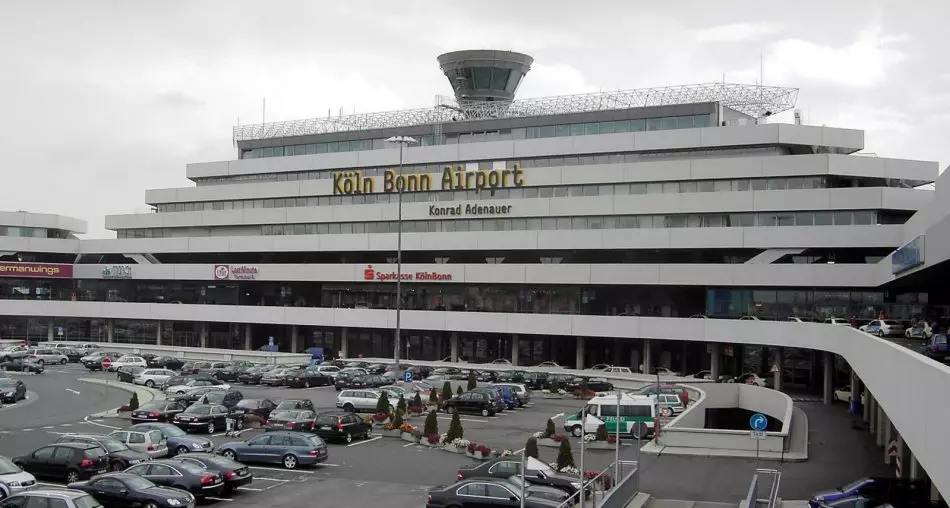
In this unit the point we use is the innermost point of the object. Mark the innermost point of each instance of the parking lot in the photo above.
(389, 471)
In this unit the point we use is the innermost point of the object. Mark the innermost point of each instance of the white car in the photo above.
(617, 370)
(47, 356)
(883, 327)
(749, 318)
(663, 371)
(128, 361)
(13, 480)
(549, 365)
(921, 330)
(356, 400)
(194, 383)
(500, 361)
(837, 321)
(843, 394)
(329, 370)
(149, 442)
(153, 377)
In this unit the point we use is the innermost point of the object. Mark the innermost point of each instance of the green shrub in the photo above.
(472, 381)
(455, 428)
(134, 402)
(565, 458)
(459, 391)
(397, 420)
(432, 424)
(433, 396)
(382, 405)
(446, 391)
(417, 400)
(549, 429)
(401, 405)
(531, 447)
(601, 433)
(583, 385)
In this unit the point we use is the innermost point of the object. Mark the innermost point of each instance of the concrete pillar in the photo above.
(882, 423)
(158, 333)
(888, 435)
(616, 353)
(715, 357)
(777, 356)
(828, 392)
(514, 350)
(110, 331)
(872, 414)
(647, 359)
(914, 471)
(294, 338)
(50, 331)
(248, 339)
(904, 454)
(203, 334)
(684, 363)
(579, 361)
(634, 359)
(454, 346)
(344, 344)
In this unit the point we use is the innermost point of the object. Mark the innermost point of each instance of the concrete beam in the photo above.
(828, 389)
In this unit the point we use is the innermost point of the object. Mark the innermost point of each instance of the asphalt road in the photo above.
(392, 472)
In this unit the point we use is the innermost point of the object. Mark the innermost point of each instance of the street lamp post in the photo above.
(400, 184)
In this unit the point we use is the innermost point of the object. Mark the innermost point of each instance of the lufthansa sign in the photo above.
(482, 180)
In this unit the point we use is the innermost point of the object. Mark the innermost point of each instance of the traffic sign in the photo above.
(758, 422)
(106, 363)
(407, 376)
(756, 434)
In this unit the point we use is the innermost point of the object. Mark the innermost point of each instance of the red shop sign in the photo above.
(36, 270)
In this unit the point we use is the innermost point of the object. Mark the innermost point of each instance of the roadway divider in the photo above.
(145, 393)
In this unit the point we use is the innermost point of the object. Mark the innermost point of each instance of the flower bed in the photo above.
(556, 394)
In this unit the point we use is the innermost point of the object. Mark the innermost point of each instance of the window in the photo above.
(499, 492)
(136, 438)
(44, 453)
(160, 470)
(505, 469)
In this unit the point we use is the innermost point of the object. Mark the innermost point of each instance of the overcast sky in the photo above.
(104, 99)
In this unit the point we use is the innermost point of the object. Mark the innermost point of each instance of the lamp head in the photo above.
(406, 140)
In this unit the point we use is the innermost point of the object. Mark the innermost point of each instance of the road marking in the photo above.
(72, 391)
(66, 425)
(86, 419)
(555, 417)
(27, 430)
(250, 489)
(408, 445)
(218, 498)
(463, 419)
(48, 427)
(270, 479)
(60, 433)
(283, 470)
(364, 442)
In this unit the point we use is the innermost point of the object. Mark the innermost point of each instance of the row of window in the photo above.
(538, 162)
(27, 232)
(620, 189)
(545, 131)
(641, 125)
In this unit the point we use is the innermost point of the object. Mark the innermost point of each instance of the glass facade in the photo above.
(28, 232)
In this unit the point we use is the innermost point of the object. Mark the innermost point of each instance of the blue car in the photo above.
(179, 441)
(289, 449)
(849, 490)
(869, 492)
(938, 349)
(508, 395)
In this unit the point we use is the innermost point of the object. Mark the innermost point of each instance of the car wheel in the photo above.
(637, 432)
(39, 362)
(229, 454)
(116, 466)
(150, 505)
(72, 476)
(63, 361)
(181, 392)
(289, 461)
(880, 333)
(349, 408)
(181, 450)
(210, 427)
(306, 384)
(239, 424)
(348, 438)
(486, 412)
(576, 431)
(150, 383)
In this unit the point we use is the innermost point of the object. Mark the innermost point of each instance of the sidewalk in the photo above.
(145, 394)
(652, 448)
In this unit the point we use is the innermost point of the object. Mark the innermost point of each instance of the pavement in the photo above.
(394, 473)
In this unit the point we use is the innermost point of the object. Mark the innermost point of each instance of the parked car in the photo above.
(520, 391)
(189, 383)
(665, 388)
(119, 454)
(157, 411)
(843, 394)
(288, 404)
(879, 489)
(230, 373)
(69, 462)
(74, 355)
(341, 426)
(261, 408)
(122, 490)
(149, 442)
(226, 398)
(275, 377)
(345, 376)
(536, 472)
(93, 361)
(883, 327)
(354, 401)
(369, 381)
(293, 419)
(12, 353)
(206, 417)
(47, 356)
(165, 362)
(305, 378)
(194, 367)
(750, 378)
(290, 449)
(13, 480)
(252, 375)
(482, 403)
(497, 397)
(482, 492)
(177, 474)
(234, 473)
(194, 394)
(128, 361)
(64, 498)
(938, 349)
(127, 374)
(920, 330)
(153, 377)
(11, 390)
(22, 365)
(178, 440)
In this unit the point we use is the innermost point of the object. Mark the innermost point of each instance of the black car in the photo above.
(261, 408)
(306, 378)
(12, 390)
(94, 361)
(192, 395)
(376, 368)
(177, 474)
(127, 374)
(341, 426)
(21, 365)
(207, 417)
(292, 419)
(119, 454)
(471, 402)
(226, 398)
(120, 490)
(230, 374)
(234, 473)
(74, 355)
(158, 411)
(538, 473)
(370, 381)
(483, 492)
(165, 362)
(289, 404)
(69, 462)
(497, 397)
(344, 377)
(595, 384)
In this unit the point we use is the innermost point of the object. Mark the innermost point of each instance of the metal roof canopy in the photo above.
(753, 100)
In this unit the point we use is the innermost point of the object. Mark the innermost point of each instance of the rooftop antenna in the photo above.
(263, 114)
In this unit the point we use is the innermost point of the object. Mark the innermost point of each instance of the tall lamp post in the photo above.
(402, 141)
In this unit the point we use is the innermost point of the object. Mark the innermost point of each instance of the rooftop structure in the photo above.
(485, 75)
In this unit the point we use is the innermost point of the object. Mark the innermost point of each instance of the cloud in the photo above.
(735, 32)
(558, 79)
(863, 63)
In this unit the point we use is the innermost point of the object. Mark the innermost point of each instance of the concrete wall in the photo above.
(209, 354)
(42, 220)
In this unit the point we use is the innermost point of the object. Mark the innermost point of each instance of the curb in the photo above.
(145, 394)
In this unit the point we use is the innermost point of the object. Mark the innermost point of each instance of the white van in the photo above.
(637, 413)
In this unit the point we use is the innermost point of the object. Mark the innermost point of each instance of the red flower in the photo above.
(558, 437)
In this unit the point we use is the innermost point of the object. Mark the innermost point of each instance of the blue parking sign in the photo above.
(407, 376)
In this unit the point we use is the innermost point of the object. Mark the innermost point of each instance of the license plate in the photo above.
(325, 427)
(101, 471)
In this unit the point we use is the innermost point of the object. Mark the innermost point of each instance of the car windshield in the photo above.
(222, 461)
(8, 467)
(199, 409)
(285, 415)
(191, 468)
(854, 485)
(248, 404)
(137, 482)
(113, 445)
(330, 419)
(152, 406)
(315, 441)
(171, 431)
(5, 381)
(940, 339)
(86, 501)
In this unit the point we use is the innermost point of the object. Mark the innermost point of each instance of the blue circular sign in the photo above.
(758, 422)
(407, 376)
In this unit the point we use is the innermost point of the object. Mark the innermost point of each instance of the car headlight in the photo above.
(13, 484)
(134, 461)
(196, 446)
(576, 485)
(173, 502)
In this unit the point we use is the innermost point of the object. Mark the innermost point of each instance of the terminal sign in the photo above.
(482, 180)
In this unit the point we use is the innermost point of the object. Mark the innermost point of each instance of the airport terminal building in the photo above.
(516, 214)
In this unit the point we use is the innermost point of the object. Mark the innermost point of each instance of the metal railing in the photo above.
(752, 499)
(604, 491)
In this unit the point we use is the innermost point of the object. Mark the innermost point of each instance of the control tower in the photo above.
(485, 75)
